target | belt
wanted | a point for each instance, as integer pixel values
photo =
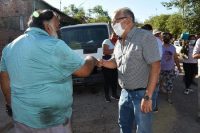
(138, 89)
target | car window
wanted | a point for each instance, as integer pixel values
(84, 37)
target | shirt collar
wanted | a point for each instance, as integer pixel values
(38, 30)
(131, 33)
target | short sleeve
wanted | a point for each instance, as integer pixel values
(197, 48)
(150, 49)
(66, 60)
(3, 63)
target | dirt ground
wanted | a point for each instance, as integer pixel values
(91, 114)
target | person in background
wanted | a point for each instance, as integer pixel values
(147, 27)
(169, 58)
(156, 33)
(36, 76)
(110, 75)
(196, 55)
(197, 36)
(136, 56)
(190, 65)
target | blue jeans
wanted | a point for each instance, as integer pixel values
(130, 112)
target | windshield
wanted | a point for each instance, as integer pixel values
(85, 37)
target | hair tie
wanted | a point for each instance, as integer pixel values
(36, 14)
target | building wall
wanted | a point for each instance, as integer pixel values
(14, 15)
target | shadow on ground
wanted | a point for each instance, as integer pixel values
(91, 114)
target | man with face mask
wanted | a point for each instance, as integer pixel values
(36, 76)
(136, 56)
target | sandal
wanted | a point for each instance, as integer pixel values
(187, 91)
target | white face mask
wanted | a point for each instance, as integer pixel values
(192, 42)
(54, 32)
(118, 29)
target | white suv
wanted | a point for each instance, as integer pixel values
(86, 39)
(177, 46)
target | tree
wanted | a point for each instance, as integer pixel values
(175, 25)
(99, 15)
(76, 13)
(96, 14)
(159, 22)
(190, 10)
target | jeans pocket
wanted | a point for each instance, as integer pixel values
(123, 96)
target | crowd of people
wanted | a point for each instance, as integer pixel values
(37, 68)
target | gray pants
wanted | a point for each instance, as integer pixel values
(21, 128)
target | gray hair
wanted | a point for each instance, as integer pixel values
(127, 12)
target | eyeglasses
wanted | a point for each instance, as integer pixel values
(117, 19)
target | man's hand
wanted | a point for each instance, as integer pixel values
(107, 63)
(5, 86)
(87, 68)
(100, 63)
(146, 105)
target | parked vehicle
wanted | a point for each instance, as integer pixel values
(177, 46)
(86, 39)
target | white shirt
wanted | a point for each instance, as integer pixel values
(190, 58)
(197, 51)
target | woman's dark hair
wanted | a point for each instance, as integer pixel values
(167, 34)
(191, 36)
(39, 16)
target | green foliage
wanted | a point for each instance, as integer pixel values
(190, 10)
(98, 11)
(99, 15)
(187, 20)
(77, 13)
(96, 14)
(159, 22)
(175, 24)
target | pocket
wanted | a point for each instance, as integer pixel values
(123, 96)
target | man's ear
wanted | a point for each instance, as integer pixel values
(47, 27)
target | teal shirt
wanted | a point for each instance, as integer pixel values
(40, 68)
